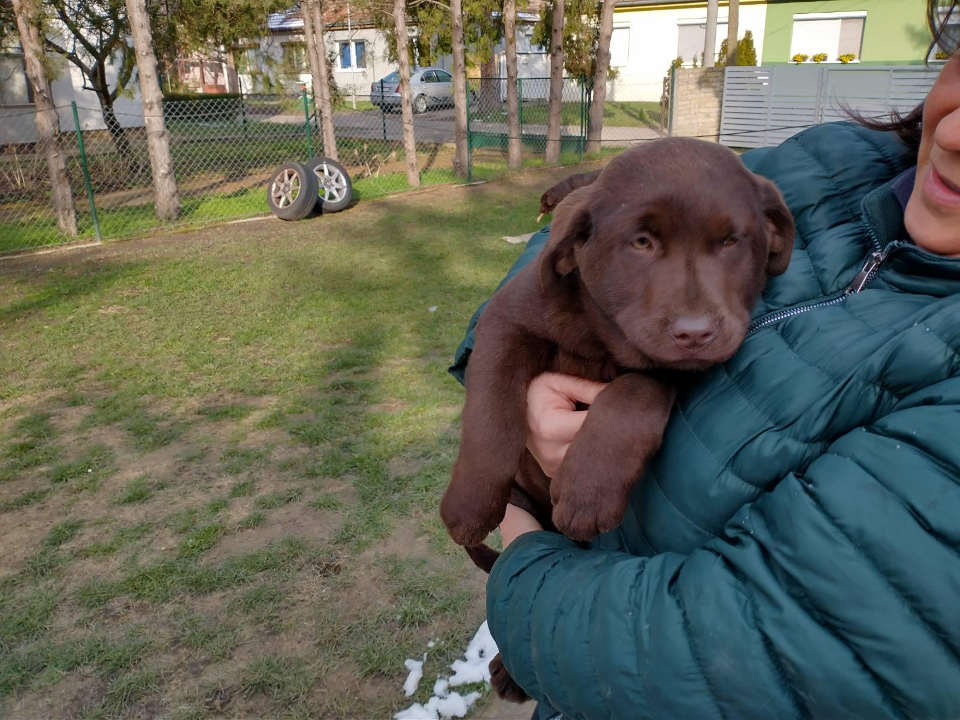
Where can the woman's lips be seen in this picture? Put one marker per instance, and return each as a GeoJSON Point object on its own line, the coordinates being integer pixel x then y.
{"type": "Point", "coordinates": [940, 190]}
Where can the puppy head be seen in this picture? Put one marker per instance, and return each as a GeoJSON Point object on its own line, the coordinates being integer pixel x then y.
{"type": "Point", "coordinates": [673, 243]}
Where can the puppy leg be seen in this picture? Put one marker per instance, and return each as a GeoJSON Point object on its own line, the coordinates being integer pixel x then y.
{"type": "Point", "coordinates": [505, 685]}
{"type": "Point", "coordinates": [623, 430]}
{"type": "Point", "coordinates": [501, 367]}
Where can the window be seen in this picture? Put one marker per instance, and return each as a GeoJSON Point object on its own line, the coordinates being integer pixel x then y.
{"type": "Point", "coordinates": [691, 37]}
{"type": "Point", "coordinates": [353, 55]}
{"type": "Point", "coordinates": [949, 38]}
{"type": "Point", "coordinates": [14, 88]}
{"type": "Point", "coordinates": [428, 77]}
{"type": "Point", "coordinates": [444, 76]}
{"type": "Point", "coordinates": [833, 34]}
{"type": "Point", "coordinates": [620, 47]}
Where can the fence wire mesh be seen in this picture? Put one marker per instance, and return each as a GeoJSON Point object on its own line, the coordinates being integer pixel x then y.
{"type": "Point", "coordinates": [224, 151]}
{"type": "Point", "coordinates": [489, 130]}
{"type": "Point", "coordinates": [226, 148]}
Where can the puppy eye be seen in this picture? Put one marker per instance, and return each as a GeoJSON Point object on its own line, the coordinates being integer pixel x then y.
{"type": "Point", "coordinates": [642, 242]}
{"type": "Point", "coordinates": [729, 241]}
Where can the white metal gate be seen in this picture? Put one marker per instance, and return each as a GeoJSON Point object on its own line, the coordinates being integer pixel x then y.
{"type": "Point", "coordinates": [763, 106]}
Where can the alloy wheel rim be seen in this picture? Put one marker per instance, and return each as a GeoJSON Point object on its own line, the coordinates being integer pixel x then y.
{"type": "Point", "coordinates": [285, 188]}
{"type": "Point", "coordinates": [332, 182]}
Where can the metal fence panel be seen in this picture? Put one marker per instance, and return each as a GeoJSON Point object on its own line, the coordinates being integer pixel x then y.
{"type": "Point", "coordinates": [488, 118]}
{"type": "Point", "coordinates": [764, 106]}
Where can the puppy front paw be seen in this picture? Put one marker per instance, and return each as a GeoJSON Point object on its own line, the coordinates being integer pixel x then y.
{"type": "Point", "coordinates": [468, 523]}
{"type": "Point", "coordinates": [582, 514]}
{"type": "Point", "coordinates": [505, 686]}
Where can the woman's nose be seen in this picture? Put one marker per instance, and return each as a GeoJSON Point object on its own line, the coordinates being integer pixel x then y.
{"type": "Point", "coordinates": [947, 134]}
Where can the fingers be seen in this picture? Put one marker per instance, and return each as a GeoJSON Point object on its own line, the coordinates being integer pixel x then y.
{"type": "Point", "coordinates": [574, 388]}
{"type": "Point", "coordinates": [561, 425]}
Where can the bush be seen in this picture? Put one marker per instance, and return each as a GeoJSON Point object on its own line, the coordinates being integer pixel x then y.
{"type": "Point", "coordinates": [847, 58]}
{"type": "Point", "coordinates": [819, 57]}
{"type": "Point", "coordinates": [799, 58]}
{"type": "Point", "coordinates": [746, 52]}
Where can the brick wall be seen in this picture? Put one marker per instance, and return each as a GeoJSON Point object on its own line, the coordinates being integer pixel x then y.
{"type": "Point", "coordinates": [695, 107]}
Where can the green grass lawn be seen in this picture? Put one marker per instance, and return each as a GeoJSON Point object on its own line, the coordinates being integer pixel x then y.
{"type": "Point", "coordinates": [221, 455]}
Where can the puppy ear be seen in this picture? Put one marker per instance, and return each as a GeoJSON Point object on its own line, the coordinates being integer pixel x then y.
{"type": "Point", "coordinates": [569, 231]}
{"type": "Point", "coordinates": [780, 227]}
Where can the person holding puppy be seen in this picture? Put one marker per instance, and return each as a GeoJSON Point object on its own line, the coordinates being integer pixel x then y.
{"type": "Point", "coordinates": [794, 548]}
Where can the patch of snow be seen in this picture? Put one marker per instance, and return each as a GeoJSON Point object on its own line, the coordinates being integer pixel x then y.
{"type": "Point", "coordinates": [412, 682]}
{"type": "Point", "coordinates": [417, 712]}
{"type": "Point", "coordinates": [446, 704]}
{"type": "Point", "coordinates": [475, 667]}
{"type": "Point", "coordinates": [517, 239]}
{"type": "Point", "coordinates": [456, 705]}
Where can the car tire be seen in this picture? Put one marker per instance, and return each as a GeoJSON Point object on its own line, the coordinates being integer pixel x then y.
{"type": "Point", "coordinates": [419, 104]}
{"type": "Point", "coordinates": [292, 192]}
{"type": "Point", "coordinates": [333, 185]}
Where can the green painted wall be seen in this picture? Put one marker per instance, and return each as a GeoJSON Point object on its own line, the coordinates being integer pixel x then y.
{"type": "Point", "coordinates": [895, 31]}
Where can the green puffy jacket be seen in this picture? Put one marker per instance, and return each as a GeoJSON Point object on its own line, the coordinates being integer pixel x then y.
{"type": "Point", "coordinates": [794, 550]}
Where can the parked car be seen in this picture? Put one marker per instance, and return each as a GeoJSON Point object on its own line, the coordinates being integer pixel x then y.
{"type": "Point", "coordinates": [429, 87]}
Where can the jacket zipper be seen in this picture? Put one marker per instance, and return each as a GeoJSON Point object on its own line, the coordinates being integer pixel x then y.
{"type": "Point", "coordinates": [860, 281]}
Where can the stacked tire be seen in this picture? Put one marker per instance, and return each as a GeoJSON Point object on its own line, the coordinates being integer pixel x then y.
{"type": "Point", "coordinates": [296, 190]}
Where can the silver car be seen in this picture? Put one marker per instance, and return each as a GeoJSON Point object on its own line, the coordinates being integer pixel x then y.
{"type": "Point", "coordinates": [429, 87]}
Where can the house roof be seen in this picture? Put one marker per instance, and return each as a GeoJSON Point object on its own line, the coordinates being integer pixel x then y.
{"type": "Point", "coordinates": [334, 15]}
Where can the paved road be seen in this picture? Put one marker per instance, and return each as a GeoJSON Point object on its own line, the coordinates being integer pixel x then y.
{"type": "Point", "coordinates": [436, 126]}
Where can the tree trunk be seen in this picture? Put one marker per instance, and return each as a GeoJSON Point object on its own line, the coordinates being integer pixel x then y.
{"type": "Point", "coordinates": [406, 104]}
{"type": "Point", "coordinates": [489, 99]}
{"type": "Point", "coordinates": [552, 154]}
{"type": "Point", "coordinates": [601, 67]}
{"type": "Point", "coordinates": [710, 39]}
{"type": "Point", "coordinates": [27, 12]}
{"type": "Point", "coordinates": [166, 201]}
{"type": "Point", "coordinates": [733, 28]}
{"type": "Point", "coordinates": [317, 51]}
{"type": "Point", "coordinates": [462, 157]}
{"type": "Point", "coordinates": [514, 147]}
{"type": "Point", "coordinates": [98, 80]}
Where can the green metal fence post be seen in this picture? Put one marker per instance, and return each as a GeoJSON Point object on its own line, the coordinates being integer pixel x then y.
{"type": "Point", "coordinates": [306, 124]}
{"type": "Point", "coordinates": [86, 171]}
{"type": "Point", "coordinates": [469, 140]}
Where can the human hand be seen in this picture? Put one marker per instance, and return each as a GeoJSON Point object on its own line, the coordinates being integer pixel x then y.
{"type": "Point", "coordinates": [516, 522]}
{"type": "Point", "coordinates": [552, 417]}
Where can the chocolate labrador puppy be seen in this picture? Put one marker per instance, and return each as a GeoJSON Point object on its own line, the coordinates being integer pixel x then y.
{"type": "Point", "coordinates": [652, 268]}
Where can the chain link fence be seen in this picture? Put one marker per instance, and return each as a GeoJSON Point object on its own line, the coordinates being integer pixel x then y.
{"type": "Point", "coordinates": [488, 127]}
{"type": "Point", "coordinates": [226, 148]}
{"type": "Point", "coordinates": [224, 151]}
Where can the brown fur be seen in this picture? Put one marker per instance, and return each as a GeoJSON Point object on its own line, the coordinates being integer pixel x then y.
{"type": "Point", "coordinates": [654, 266]}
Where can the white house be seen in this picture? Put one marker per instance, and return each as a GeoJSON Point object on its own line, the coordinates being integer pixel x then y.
{"type": "Point", "coordinates": [650, 34]}
{"type": "Point", "coordinates": [17, 124]}
{"type": "Point", "coordinates": [360, 52]}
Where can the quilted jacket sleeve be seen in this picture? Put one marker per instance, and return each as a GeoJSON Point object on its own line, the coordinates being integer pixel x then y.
{"type": "Point", "coordinates": [836, 594]}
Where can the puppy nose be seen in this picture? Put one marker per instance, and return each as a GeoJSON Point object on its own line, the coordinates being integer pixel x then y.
{"type": "Point", "coordinates": [693, 332]}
